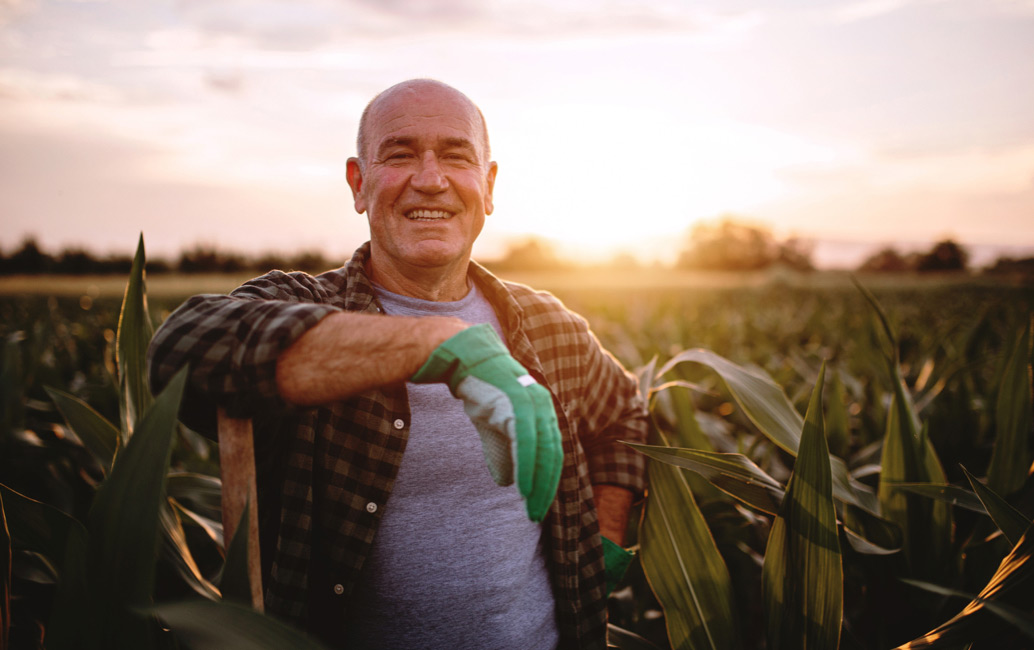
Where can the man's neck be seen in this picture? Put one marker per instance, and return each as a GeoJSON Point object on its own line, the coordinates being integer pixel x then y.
{"type": "Point", "coordinates": [438, 285]}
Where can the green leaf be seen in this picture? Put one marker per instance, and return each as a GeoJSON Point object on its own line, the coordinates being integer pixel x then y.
{"type": "Point", "coordinates": [6, 556]}
{"type": "Point", "coordinates": [734, 474]}
{"type": "Point", "coordinates": [98, 435]}
{"type": "Point", "coordinates": [124, 524]}
{"type": "Point", "coordinates": [62, 540]}
{"type": "Point", "coordinates": [175, 548]}
{"type": "Point", "coordinates": [217, 625]}
{"type": "Point", "coordinates": [1010, 586]}
{"type": "Point", "coordinates": [802, 576]}
{"type": "Point", "coordinates": [1009, 520]}
{"type": "Point", "coordinates": [622, 639]}
{"type": "Point", "coordinates": [761, 399]}
{"type": "Point", "coordinates": [768, 407]}
{"type": "Point", "coordinates": [837, 419]}
{"type": "Point", "coordinates": [37, 527]}
{"type": "Point", "coordinates": [1022, 620]}
{"type": "Point", "coordinates": [236, 583]}
{"type": "Point", "coordinates": [910, 458]}
{"type": "Point", "coordinates": [945, 492]}
{"type": "Point", "coordinates": [201, 490]}
{"type": "Point", "coordinates": [134, 334]}
{"type": "Point", "coordinates": [683, 565]}
{"type": "Point", "coordinates": [1011, 456]}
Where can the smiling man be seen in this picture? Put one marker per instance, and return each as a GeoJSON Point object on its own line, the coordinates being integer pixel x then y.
{"type": "Point", "coordinates": [438, 450]}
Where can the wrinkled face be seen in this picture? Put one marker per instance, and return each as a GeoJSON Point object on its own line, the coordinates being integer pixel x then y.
{"type": "Point", "coordinates": [425, 184]}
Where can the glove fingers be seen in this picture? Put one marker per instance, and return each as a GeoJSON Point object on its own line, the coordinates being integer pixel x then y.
{"type": "Point", "coordinates": [549, 457]}
{"type": "Point", "coordinates": [524, 444]}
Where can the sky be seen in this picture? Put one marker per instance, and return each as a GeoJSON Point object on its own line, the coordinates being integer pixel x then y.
{"type": "Point", "coordinates": [617, 124]}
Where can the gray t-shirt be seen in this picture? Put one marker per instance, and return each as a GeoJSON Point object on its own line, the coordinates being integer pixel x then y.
{"type": "Point", "coordinates": [456, 563]}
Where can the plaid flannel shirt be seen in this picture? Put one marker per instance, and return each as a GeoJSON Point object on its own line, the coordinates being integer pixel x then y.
{"type": "Point", "coordinates": [325, 474]}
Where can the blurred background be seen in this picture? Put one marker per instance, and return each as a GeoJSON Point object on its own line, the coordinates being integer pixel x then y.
{"type": "Point", "coordinates": [628, 130]}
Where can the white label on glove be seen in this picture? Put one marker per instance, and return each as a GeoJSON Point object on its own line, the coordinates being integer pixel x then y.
{"type": "Point", "coordinates": [526, 380]}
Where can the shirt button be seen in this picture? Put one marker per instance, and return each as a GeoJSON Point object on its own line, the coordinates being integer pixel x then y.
{"type": "Point", "coordinates": [339, 589]}
{"type": "Point", "coordinates": [371, 507]}
{"type": "Point", "coordinates": [399, 423]}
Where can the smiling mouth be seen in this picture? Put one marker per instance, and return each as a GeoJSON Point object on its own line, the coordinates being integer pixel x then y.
{"type": "Point", "coordinates": [427, 215]}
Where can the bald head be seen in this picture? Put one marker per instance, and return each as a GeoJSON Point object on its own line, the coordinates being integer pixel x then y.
{"type": "Point", "coordinates": [412, 90]}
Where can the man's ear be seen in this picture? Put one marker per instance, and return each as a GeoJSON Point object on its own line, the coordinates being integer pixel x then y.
{"type": "Point", "coordinates": [354, 174]}
{"type": "Point", "coordinates": [490, 180]}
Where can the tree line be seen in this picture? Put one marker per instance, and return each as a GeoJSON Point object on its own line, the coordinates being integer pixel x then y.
{"type": "Point", "coordinates": [726, 244]}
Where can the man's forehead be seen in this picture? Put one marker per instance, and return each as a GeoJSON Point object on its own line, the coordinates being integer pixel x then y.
{"type": "Point", "coordinates": [423, 106]}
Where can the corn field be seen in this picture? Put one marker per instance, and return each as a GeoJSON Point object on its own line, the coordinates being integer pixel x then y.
{"type": "Point", "coordinates": [835, 466]}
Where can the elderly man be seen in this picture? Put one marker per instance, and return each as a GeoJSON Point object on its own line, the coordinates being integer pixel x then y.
{"type": "Point", "coordinates": [437, 450]}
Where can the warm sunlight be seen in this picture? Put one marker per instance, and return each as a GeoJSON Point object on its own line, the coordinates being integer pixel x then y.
{"type": "Point", "coordinates": [642, 180]}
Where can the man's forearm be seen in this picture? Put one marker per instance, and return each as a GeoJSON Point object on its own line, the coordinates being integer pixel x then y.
{"type": "Point", "coordinates": [347, 353]}
{"type": "Point", "coordinates": [613, 504]}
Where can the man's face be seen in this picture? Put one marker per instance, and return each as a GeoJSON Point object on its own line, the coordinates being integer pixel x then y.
{"type": "Point", "coordinates": [426, 185]}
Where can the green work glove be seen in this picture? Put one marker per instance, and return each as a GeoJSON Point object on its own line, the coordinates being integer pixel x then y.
{"type": "Point", "coordinates": [510, 410]}
{"type": "Point", "coordinates": [616, 561]}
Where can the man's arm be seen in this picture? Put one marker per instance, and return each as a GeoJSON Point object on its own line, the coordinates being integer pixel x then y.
{"type": "Point", "coordinates": [613, 504]}
{"type": "Point", "coordinates": [347, 353]}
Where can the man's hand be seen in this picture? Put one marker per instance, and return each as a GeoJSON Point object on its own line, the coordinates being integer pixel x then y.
{"type": "Point", "coordinates": [513, 413]}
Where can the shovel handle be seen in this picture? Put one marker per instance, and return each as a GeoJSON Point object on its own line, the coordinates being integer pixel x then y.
{"type": "Point", "coordinates": [237, 467]}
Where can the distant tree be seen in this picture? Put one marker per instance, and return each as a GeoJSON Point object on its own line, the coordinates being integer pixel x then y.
{"type": "Point", "coordinates": [731, 244]}
{"type": "Point", "coordinates": [206, 259]}
{"type": "Point", "coordinates": [944, 256]}
{"type": "Point", "coordinates": [1012, 266]}
{"type": "Point", "coordinates": [795, 253]}
{"type": "Point", "coordinates": [530, 255]}
{"type": "Point", "coordinates": [29, 259]}
{"type": "Point", "coordinates": [887, 260]}
{"type": "Point", "coordinates": [77, 261]}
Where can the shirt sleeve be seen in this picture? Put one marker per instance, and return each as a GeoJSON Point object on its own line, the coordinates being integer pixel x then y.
{"type": "Point", "coordinates": [232, 342]}
{"type": "Point", "coordinates": [611, 410]}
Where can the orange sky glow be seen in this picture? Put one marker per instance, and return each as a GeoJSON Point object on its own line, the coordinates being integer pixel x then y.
{"type": "Point", "coordinates": [617, 125]}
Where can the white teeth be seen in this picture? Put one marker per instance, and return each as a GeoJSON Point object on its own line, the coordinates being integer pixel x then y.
{"type": "Point", "coordinates": [428, 215]}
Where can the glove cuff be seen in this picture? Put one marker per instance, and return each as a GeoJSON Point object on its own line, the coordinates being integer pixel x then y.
{"type": "Point", "coordinates": [452, 360]}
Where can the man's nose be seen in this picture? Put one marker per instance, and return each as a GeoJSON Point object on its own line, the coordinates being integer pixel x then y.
{"type": "Point", "coordinates": [429, 177]}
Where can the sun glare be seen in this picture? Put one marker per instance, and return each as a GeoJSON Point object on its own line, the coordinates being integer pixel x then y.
{"type": "Point", "coordinates": [620, 180]}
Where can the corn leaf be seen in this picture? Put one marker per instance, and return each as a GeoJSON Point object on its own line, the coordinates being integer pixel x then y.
{"type": "Point", "coordinates": [98, 435]}
{"type": "Point", "coordinates": [43, 529]}
{"type": "Point", "coordinates": [124, 525]}
{"type": "Point", "coordinates": [683, 565]}
{"type": "Point", "coordinates": [204, 492]}
{"type": "Point", "coordinates": [236, 583]}
{"type": "Point", "coordinates": [134, 334]}
{"type": "Point", "coordinates": [1010, 586]}
{"type": "Point", "coordinates": [1009, 520]}
{"type": "Point", "coordinates": [622, 639]}
{"type": "Point", "coordinates": [926, 524]}
{"type": "Point", "coordinates": [802, 576]}
{"type": "Point", "coordinates": [837, 419]}
{"type": "Point", "coordinates": [217, 625]}
{"type": "Point", "coordinates": [762, 400]}
{"type": "Point", "coordinates": [1023, 621]}
{"type": "Point", "coordinates": [734, 474]}
{"type": "Point", "coordinates": [6, 556]}
{"type": "Point", "coordinates": [176, 550]}
{"type": "Point", "coordinates": [1011, 455]}
{"type": "Point", "coordinates": [768, 407]}
{"type": "Point", "coordinates": [947, 493]}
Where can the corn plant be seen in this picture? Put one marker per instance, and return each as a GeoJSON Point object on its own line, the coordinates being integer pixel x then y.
{"type": "Point", "coordinates": [105, 565]}
{"type": "Point", "coordinates": [824, 521]}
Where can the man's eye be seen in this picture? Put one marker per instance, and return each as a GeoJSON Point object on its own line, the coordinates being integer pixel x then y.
{"type": "Point", "coordinates": [399, 155]}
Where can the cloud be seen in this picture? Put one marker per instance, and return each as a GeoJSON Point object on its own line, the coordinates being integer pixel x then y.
{"type": "Point", "coordinates": [315, 23]}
